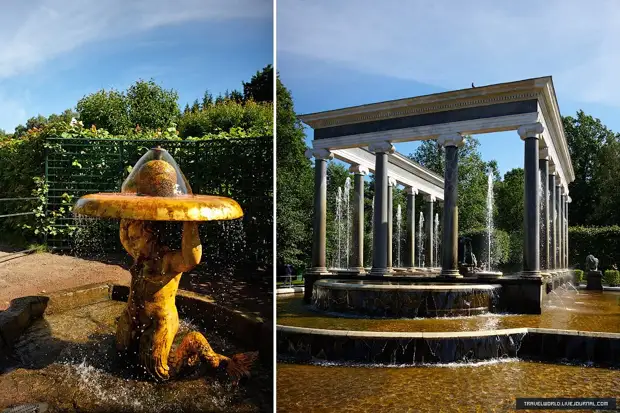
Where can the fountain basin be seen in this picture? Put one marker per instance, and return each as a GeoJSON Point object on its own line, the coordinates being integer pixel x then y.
{"type": "Point", "coordinates": [486, 275]}
{"type": "Point", "coordinates": [403, 299]}
{"type": "Point", "coordinates": [60, 350]}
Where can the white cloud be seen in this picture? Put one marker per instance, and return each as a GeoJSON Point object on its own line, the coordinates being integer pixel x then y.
{"type": "Point", "coordinates": [453, 43]}
{"type": "Point", "coordinates": [34, 32]}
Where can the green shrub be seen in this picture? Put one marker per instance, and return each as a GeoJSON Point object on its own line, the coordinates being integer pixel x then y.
{"type": "Point", "coordinates": [256, 119]}
{"type": "Point", "coordinates": [611, 278]}
{"type": "Point", "coordinates": [602, 242]}
{"type": "Point", "coordinates": [501, 246]}
{"type": "Point", "coordinates": [578, 276]}
{"type": "Point", "coordinates": [86, 160]}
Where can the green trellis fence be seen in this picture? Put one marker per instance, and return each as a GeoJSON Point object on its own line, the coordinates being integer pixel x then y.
{"type": "Point", "coordinates": [237, 168]}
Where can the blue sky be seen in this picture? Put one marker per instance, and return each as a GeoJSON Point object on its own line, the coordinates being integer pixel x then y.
{"type": "Point", "coordinates": [53, 52]}
{"type": "Point", "coordinates": [337, 53]}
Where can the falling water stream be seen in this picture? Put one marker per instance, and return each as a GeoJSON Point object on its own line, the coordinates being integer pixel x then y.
{"type": "Point", "coordinates": [420, 240]}
{"type": "Point", "coordinates": [399, 219]}
{"type": "Point", "coordinates": [347, 209]}
{"type": "Point", "coordinates": [339, 226]}
{"type": "Point", "coordinates": [489, 219]}
{"type": "Point", "coordinates": [436, 239]}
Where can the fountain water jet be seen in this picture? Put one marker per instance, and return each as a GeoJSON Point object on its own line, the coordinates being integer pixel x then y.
{"type": "Point", "coordinates": [347, 209]}
{"type": "Point", "coordinates": [399, 219]}
{"type": "Point", "coordinates": [339, 226]}
{"type": "Point", "coordinates": [489, 273]}
{"type": "Point", "coordinates": [436, 238]}
{"type": "Point", "coordinates": [421, 240]}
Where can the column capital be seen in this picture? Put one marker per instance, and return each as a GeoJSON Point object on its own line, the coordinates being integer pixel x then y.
{"type": "Point", "coordinates": [411, 190]}
{"type": "Point", "coordinates": [358, 170]}
{"type": "Point", "coordinates": [532, 130]}
{"type": "Point", "coordinates": [323, 154]}
{"type": "Point", "coordinates": [381, 147]}
{"type": "Point", "coordinates": [391, 181]}
{"type": "Point", "coordinates": [558, 180]}
{"type": "Point", "coordinates": [568, 199]}
{"type": "Point", "coordinates": [543, 154]}
{"type": "Point", "coordinates": [429, 198]}
{"type": "Point", "coordinates": [451, 139]}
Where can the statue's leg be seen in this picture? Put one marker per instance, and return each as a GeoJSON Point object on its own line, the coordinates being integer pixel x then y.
{"type": "Point", "coordinates": [195, 347]}
{"type": "Point", "coordinates": [155, 344]}
{"type": "Point", "coordinates": [125, 330]}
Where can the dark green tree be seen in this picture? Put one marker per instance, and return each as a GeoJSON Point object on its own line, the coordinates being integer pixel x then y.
{"type": "Point", "coordinates": [260, 87]}
{"type": "Point", "coordinates": [207, 100]}
{"type": "Point", "coordinates": [509, 201]}
{"type": "Point", "coordinates": [586, 137]}
{"type": "Point", "coordinates": [151, 106]}
{"type": "Point", "coordinates": [105, 109]}
{"type": "Point", "coordinates": [236, 96]}
{"type": "Point", "coordinates": [294, 185]}
{"type": "Point", "coordinates": [472, 178]}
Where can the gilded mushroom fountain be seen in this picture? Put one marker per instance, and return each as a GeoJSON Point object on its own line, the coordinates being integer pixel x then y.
{"type": "Point", "coordinates": [156, 191]}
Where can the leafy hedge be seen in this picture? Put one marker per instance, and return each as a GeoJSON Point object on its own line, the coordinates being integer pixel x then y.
{"type": "Point", "coordinates": [612, 278]}
{"type": "Point", "coordinates": [81, 161]}
{"type": "Point", "coordinates": [602, 242]}
{"type": "Point", "coordinates": [501, 246]}
{"type": "Point", "coordinates": [578, 276]}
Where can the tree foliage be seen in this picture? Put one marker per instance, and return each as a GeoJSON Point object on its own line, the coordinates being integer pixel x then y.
{"type": "Point", "coordinates": [260, 87]}
{"type": "Point", "coordinates": [509, 201]}
{"type": "Point", "coordinates": [592, 147]}
{"type": "Point", "coordinates": [472, 178]}
{"type": "Point", "coordinates": [106, 110]}
{"type": "Point", "coordinates": [294, 185]}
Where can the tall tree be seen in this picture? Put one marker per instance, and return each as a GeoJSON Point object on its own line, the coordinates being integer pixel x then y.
{"type": "Point", "coordinates": [586, 137]}
{"type": "Point", "coordinates": [294, 185]}
{"type": "Point", "coordinates": [606, 208]}
{"type": "Point", "coordinates": [260, 87]}
{"type": "Point", "coordinates": [207, 100]}
{"type": "Point", "coordinates": [151, 106]}
{"type": "Point", "coordinates": [509, 201]}
{"type": "Point", "coordinates": [105, 109]}
{"type": "Point", "coordinates": [472, 178]}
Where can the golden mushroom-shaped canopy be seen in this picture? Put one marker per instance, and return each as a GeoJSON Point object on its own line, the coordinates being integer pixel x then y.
{"type": "Point", "coordinates": [157, 190]}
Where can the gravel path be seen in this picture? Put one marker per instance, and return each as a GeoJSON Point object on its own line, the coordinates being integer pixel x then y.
{"type": "Point", "coordinates": [32, 274]}
{"type": "Point", "coordinates": [41, 273]}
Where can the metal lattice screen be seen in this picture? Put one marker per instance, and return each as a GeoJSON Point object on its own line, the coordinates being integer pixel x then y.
{"type": "Point", "coordinates": [237, 168]}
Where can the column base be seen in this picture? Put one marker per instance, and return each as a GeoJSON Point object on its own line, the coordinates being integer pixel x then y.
{"type": "Point", "coordinates": [355, 271]}
{"type": "Point", "coordinates": [379, 271]}
{"type": "Point", "coordinates": [310, 276]}
{"type": "Point", "coordinates": [450, 273]}
{"type": "Point", "coordinates": [530, 274]}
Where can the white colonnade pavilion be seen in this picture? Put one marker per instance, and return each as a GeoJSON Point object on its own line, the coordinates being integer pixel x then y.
{"type": "Point", "coordinates": [364, 136]}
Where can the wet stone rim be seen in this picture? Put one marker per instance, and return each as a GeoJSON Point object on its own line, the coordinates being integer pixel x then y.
{"type": "Point", "coordinates": [353, 285]}
{"type": "Point", "coordinates": [308, 345]}
{"type": "Point", "coordinates": [249, 329]}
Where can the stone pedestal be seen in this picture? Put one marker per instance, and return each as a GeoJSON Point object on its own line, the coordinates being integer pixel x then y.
{"type": "Point", "coordinates": [594, 281]}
